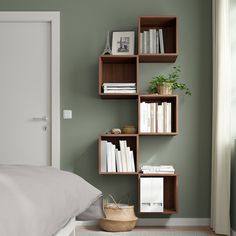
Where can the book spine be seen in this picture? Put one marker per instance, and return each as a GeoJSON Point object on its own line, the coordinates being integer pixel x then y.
{"type": "Point", "coordinates": [148, 117]}
{"type": "Point", "coordinates": [157, 42]}
{"type": "Point", "coordinates": [154, 41]}
{"type": "Point", "coordinates": [103, 167]}
{"type": "Point", "coordinates": [160, 118]}
{"type": "Point", "coordinates": [169, 128]}
{"type": "Point", "coordinates": [151, 41]}
{"type": "Point", "coordinates": [132, 161]}
{"type": "Point", "coordinates": [161, 41]}
{"type": "Point", "coordinates": [123, 155]}
{"type": "Point", "coordinates": [113, 155]}
{"type": "Point", "coordinates": [145, 42]}
{"type": "Point", "coordinates": [141, 43]}
{"type": "Point", "coordinates": [165, 116]}
{"type": "Point", "coordinates": [109, 161]}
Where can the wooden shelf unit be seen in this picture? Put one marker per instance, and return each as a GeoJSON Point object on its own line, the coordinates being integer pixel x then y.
{"type": "Point", "coordinates": [118, 69]}
{"type": "Point", "coordinates": [132, 142]}
{"type": "Point", "coordinates": [125, 69]}
{"type": "Point", "coordinates": [154, 98]}
{"type": "Point", "coordinates": [170, 192]}
{"type": "Point", "coordinates": [169, 25]}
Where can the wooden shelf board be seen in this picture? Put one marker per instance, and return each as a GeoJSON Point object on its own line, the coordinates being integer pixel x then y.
{"type": "Point", "coordinates": [165, 212]}
{"type": "Point", "coordinates": [155, 95]}
{"type": "Point", "coordinates": [157, 134]}
{"type": "Point", "coordinates": [166, 57]}
{"type": "Point", "coordinates": [118, 173]}
{"type": "Point", "coordinates": [119, 135]}
{"type": "Point", "coordinates": [119, 95]}
{"type": "Point", "coordinates": [118, 58]}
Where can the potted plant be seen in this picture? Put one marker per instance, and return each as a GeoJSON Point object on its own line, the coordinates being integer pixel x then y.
{"type": "Point", "coordinates": [165, 84]}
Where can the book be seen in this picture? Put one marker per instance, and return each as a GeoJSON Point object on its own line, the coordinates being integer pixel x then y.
{"type": "Point", "coordinates": [123, 155]}
{"type": "Point", "coordinates": [160, 119]}
{"type": "Point", "coordinates": [103, 167]}
{"type": "Point", "coordinates": [168, 113]}
{"type": "Point", "coordinates": [145, 42]}
{"type": "Point", "coordinates": [143, 117]}
{"type": "Point", "coordinates": [157, 42]}
{"type": "Point", "coordinates": [119, 84]}
{"type": "Point", "coordinates": [164, 117]}
{"type": "Point", "coordinates": [132, 161]}
{"type": "Point", "coordinates": [153, 117]}
{"type": "Point", "coordinates": [161, 41]}
{"type": "Point", "coordinates": [154, 41]}
{"type": "Point", "coordinates": [151, 194]}
{"type": "Point", "coordinates": [128, 159]}
{"type": "Point", "coordinates": [118, 164]}
{"type": "Point", "coordinates": [141, 43]}
{"type": "Point", "coordinates": [119, 91]}
{"type": "Point", "coordinates": [113, 158]}
{"type": "Point", "coordinates": [148, 117]}
{"type": "Point", "coordinates": [109, 158]}
{"type": "Point", "coordinates": [151, 33]}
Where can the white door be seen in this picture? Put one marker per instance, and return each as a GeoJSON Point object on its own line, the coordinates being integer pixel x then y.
{"type": "Point", "coordinates": [26, 90]}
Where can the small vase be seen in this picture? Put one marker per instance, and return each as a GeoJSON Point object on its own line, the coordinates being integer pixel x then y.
{"type": "Point", "coordinates": [164, 88]}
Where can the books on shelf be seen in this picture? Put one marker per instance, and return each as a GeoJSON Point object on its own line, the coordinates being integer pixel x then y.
{"type": "Point", "coordinates": [152, 41]}
{"type": "Point", "coordinates": [162, 169]}
{"type": "Point", "coordinates": [115, 160]}
{"type": "Point", "coordinates": [151, 194]}
{"type": "Point", "coordinates": [119, 87]}
{"type": "Point", "coordinates": [155, 118]}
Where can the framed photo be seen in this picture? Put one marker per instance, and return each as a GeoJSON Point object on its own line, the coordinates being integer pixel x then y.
{"type": "Point", "coordinates": [123, 43]}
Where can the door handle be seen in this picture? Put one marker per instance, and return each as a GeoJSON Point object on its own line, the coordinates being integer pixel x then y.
{"type": "Point", "coordinates": [43, 118]}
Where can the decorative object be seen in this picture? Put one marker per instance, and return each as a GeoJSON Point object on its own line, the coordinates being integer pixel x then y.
{"type": "Point", "coordinates": [119, 217]}
{"type": "Point", "coordinates": [116, 131]}
{"type": "Point", "coordinates": [129, 129]}
{"type": "Point", "coordinates": [107, 50]}
{"type": "Point", "coordinates": [165, 84]}
{"type": "Point", "coordinates": [123, 43]}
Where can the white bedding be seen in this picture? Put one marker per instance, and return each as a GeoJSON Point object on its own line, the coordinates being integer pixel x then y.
{"type": "Point", "coordinates": [38, 201]}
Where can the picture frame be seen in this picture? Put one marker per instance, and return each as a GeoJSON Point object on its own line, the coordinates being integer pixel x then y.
{"type": "Point", "coordinates": [123, 43]}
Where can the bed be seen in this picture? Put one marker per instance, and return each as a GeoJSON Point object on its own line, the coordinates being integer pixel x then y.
{"type": "Point", "coordinates": [44, 201]}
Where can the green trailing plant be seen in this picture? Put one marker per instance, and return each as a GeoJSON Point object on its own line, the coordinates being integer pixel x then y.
{"type": "Point", "coordinates": [171, 78]}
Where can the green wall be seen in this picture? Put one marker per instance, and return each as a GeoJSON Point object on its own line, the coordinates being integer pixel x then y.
{"type": "Point", "coordinates": [83, 33]}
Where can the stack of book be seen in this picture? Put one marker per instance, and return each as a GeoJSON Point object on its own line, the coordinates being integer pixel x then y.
{"type": "Point", "coordinates": [119, 87]}
{"type": "Point", "coordinates": [155, 117]}
{"type": "Point", "coordinates": [162, 169]}
{"type": "Point", "coordinates": [152, 41]}
{"type": "Point", "coordinates": [114, 160]}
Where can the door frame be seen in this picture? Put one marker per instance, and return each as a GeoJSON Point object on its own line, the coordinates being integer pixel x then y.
{"type": "Point", "coordinates": [54, 19]}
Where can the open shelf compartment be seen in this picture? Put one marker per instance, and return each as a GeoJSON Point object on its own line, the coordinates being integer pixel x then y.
{"type": "Point", "coordinates": [132, 142]}
{"type": "Point", "coordinates": [169, 25]}
{"type": "Point", "coordinates": [170, 193]}
{"type": "Point", "coordinates": [118, 69]}
{"type": "Point", "coordinates": [154, 98]}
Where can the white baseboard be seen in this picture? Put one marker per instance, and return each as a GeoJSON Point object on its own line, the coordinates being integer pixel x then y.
{"type": "Point", "coordinates": [233, 232]}
{"type": "Point", "coordinates": [162, 222]}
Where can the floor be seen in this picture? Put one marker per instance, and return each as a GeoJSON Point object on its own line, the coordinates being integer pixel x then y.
{"type": "Point", "coordinates": [139, 230]}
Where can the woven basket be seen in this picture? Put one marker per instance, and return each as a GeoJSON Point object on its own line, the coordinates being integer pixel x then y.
{"type": "Point", "coordinates": [164, 88]}
{"type": "Point", "coordinates": [119, 217]}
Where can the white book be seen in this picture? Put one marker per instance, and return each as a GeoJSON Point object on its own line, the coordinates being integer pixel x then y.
{"type": "Point", "coordinates": [165, 116]}
{"type": "Point", "coordinates": [145, 42]}
{"type": "Point", "coordinates": [148, 117]}
{"type": "Point", "coordinates": [160, 122]}
{"type": "Point", "coordinates": [103, 167]}
{"type": "Point", "coordinates": [168, 128]}
{"type": "Point", "coordinates": [153, 117]}
{"type": "Point", "coordinates": [157, 42]}
{"type": "Point", "coordinates": [120, 161]}
{"type": "Point", "coordinates": [151, 33]}
{"type": "Point", "coordinates": [109, 158]}
{"type": "Point", "coordinates": [141, 43]}
{"type": "Point", "coordinates": [113, 158]}
{"type": "Point", "coordinates": [117, 161]}
{"type": "Point", "coordinates": [123, 155]}
{"type": "Point", "coordinates": [128, 158]}
{"type": "Point", "coordinates": [154, 41]}
{"type": "Point", "coordinates": [132, 161]}
{"type": "Point", "coordinates": [143, 117]}
{"type": "Point", "coordinates": [148, 42]}
{"type": "Point", "coordinates": [151, 194]}
{"type": "Point", "coordinates": [119, 91]}
{"type": "Point", "coordinates": [119, 84]}
{"type": "Point", "coordinates": [161, 41]}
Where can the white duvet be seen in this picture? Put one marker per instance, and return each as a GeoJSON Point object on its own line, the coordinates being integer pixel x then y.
{"type": "Point", "coordinates": [38, 201]}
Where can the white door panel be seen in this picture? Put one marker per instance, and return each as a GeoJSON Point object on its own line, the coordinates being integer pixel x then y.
{"type": "Point", "coordinates": [25, 92]}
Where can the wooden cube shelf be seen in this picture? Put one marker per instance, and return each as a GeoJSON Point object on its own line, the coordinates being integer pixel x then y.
{"type": "Point", "coordinates": [170, 193]}
{"type": "Point", "coordinates": [170, 36]}
{"type": "Point", "coordinates": [153, 98]}
{"type": "Point", "coordinates": [132, 142]}
{"type": "Point", "coordinates": [118, 69]}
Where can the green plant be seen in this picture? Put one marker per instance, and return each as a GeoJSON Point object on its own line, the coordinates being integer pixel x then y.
{"type": "Point", "coordinates": [172, 78]}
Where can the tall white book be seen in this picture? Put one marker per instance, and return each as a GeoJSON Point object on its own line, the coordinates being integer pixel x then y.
{"type": "Point", "coordinates": [154, 41]}
{"type": "Point", "coordinates": [141, 43]}
{"type": "Point", "coordinates": [153, 117]}
{"type": "Point", "coordinates": [151, 194]}
{"type": "Point", "coordinates": [168, 123]}
{"type": "Point", "coordinates": [128, 159]}
{"type": "Point", "coordinates": [164, 116]}
{"type": "Point", "coordinates": [118, 164]}
{"type": "Point", "coordinates": [143, 117]}
{"type": "Point", "coordinates": [162, 50]}
{"type": "Point", "coordinates": [109, 158]}
{"type": "Point", "coordinates": [123, 155]}
{"type": "Point", "coordinates": [148, 117]}
{"type": "Point", "coordinates": [157, 42]}
{"type": "Point", "coordinates": [132, 161]}
{"type": "Point", "coordinates": [103, 167]}
{"type": "Point", "coordinates": [113, 158]}
{"type": "Point", "coordinates": [145, 42]}
{"type": "Point", "coordinates": [160, 122]}
{"type": "Point", "coordinates": [151, 50]}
